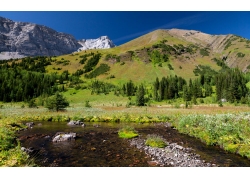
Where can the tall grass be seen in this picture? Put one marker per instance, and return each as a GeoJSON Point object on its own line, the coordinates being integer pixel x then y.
{"type": "Point", "coordinates": [229, 131]}
{"type": "Point", "coordinates": [10, 150]}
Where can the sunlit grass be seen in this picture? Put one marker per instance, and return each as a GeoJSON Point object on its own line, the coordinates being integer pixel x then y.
{"type": "Point", "coordinates": [229, 131]}
{"type": "Point", "coordinates": [11, 154]}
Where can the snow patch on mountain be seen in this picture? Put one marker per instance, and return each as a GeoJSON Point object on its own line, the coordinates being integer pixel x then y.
{"type": "Point", "coordinates": [102, 42]}
{"type": "Point", "coordinates": [10, 55]}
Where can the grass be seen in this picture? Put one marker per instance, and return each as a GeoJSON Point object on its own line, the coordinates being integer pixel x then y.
{"type": "Point", "coordinates": [154, 140]}
{"type": "Point", "coordinates": [229, 131]}
{"type": "Point", "coordinates": [11, 154]}
{"type": "Point", "coordinates": [127, 132]}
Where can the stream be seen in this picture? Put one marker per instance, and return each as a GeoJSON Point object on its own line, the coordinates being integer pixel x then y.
{"type": "Point", "coordinates": [98, 145]}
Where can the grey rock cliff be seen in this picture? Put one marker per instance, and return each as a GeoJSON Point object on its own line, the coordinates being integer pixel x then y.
{"type": "Point", "coordinates": [20, 39]}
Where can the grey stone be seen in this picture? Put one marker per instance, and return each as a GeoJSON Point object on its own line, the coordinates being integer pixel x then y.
{"type": "Point", "coordinates": [27, 150]}
{"type": "Point", "coordinates": [61, 136]}
{"type": "Point", "coordinates": [30, 124]}
{"type": "Point", "coordinates": [75, 123]}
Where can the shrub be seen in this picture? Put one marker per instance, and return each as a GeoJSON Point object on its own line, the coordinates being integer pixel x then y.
{"type": "Point", "coordinates": [170, 67]}
{"type": "Point", "coordinates": [154, 140]}
{"type": "Point", "coordinates": [87, 104]}
{"type": "Point", "coordinates": [239, 54]}
{"type": "Point", "coordinates": [127, 132]}
{"type": "Point", "coordinates": [204, 52]}
{"type": "Point", "coordinates": [103, 68]}
{"type": "Point", "coordinates": [32, 103]}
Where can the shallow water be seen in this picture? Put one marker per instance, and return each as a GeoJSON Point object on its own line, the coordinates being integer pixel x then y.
{"type": "Point", "coordinates": [101, 146]}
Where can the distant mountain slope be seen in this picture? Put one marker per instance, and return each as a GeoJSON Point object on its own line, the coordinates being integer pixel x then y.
{"type": "Point", "coordinates": [161, 53]}
{"type": "Point", "coordinates": [232, 49]}
{"type": "Point", "coordinates": [19, 39]}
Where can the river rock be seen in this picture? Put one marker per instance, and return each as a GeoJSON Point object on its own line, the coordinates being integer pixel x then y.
{"type": "Point", "coordinates": [30, 124]}
{"type": "Point", "coordinates": [61, 136]}
{"type": "Point", "coordinates": [27, 150]}
{"type": "Point", "coordinates": [96, 125]}
{"type": "Point", "coordinates": [75, 123]}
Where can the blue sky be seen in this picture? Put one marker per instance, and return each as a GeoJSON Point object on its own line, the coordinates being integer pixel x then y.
{"type": "Point", "coordinates": [123, 26]}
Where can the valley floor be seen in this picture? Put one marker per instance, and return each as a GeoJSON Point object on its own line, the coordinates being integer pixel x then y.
{"type": "Point", "coordinates": [227, 126]}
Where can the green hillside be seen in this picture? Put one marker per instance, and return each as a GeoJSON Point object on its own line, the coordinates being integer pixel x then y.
{"type": "Point", "coordinates": [140, 59]}
{"type": "Point", "coordinates": [177, 54]}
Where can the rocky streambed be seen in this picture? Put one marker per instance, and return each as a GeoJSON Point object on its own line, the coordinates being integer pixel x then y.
{"type": "Point", "coordinates": [98, 145]}
{"type": "Point", "coordinates": [172, 155]}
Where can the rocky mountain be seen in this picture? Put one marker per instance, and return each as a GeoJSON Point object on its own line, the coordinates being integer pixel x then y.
{"type": "Point", "coordinates": [20, 39]}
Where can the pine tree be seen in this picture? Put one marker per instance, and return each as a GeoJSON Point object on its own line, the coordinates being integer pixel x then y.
{"type": "Point", "coordinates": [57, 102]}
{"type": "Point", "coordinates": [140, 100]}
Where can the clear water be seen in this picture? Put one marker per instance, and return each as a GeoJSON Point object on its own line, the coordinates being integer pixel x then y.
{"type": "Point", "coordinates": [101, 146]}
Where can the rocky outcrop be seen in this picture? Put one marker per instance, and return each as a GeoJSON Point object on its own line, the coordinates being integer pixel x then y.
{"type": "Point", "coordinates": [20, 39]}
{"type": "Point", "coordinates": [61, 136]}
{"type": "Point", "coordinates": [214, 42]}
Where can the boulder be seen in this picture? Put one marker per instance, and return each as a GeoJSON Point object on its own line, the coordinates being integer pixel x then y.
{"type": "Point", "coordinates": [61, 136]}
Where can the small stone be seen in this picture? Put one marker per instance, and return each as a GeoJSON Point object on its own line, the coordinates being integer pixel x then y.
{"type": "Point", "coordinates": [152, 163]}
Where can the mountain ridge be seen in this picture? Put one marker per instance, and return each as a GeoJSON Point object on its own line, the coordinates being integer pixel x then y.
{"type": "Point", "coordinates": [21, 39]}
